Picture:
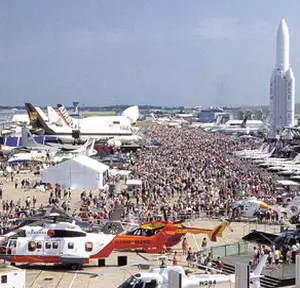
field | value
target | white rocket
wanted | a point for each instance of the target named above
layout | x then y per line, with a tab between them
282	85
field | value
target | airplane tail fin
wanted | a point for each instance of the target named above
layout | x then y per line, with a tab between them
27	138
218	231
43	115
153	118
219	119
36	120
243	124
65	116
53	116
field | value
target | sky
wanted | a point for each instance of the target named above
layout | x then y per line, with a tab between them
158	52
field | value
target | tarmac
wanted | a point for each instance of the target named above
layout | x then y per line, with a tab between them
49	275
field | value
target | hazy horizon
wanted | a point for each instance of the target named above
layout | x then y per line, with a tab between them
167	52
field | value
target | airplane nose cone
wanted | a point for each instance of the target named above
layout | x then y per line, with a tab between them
263	205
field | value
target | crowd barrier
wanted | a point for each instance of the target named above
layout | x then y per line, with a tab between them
238	248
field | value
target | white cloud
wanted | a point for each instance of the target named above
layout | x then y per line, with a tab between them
218	28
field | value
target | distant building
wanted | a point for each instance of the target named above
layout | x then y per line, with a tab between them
211	115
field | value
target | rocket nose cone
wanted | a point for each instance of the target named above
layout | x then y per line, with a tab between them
283	28
282	22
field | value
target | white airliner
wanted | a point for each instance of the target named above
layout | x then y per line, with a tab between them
116	128
262	149
242	126
106	127
170	121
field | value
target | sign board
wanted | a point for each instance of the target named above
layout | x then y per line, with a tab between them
242	275
175	279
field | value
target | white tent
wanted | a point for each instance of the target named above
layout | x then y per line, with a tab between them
136	182
81	172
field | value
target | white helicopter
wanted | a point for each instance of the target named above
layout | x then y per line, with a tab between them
58	242
249	207
159	277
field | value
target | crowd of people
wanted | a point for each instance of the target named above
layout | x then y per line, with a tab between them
198	170
186	171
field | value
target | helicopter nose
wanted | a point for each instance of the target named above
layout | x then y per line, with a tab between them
263	205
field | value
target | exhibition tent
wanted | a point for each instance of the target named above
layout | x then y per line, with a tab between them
81	172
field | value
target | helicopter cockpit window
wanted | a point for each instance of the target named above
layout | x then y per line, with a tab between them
132	282
18	233
151	284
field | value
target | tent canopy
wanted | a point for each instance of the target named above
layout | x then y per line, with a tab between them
114	172
91	163
81	172
133	182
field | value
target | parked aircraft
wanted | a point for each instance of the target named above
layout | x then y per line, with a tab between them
292	208
55	214
259	157
249	207
262	149
170	121
159	277
180	229
287	238
67	243
39	156
91	128
278	161
30	143
213	126
7	150
141	238
241	126
39	152
132	113
114	122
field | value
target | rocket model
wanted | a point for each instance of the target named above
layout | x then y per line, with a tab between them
282	85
